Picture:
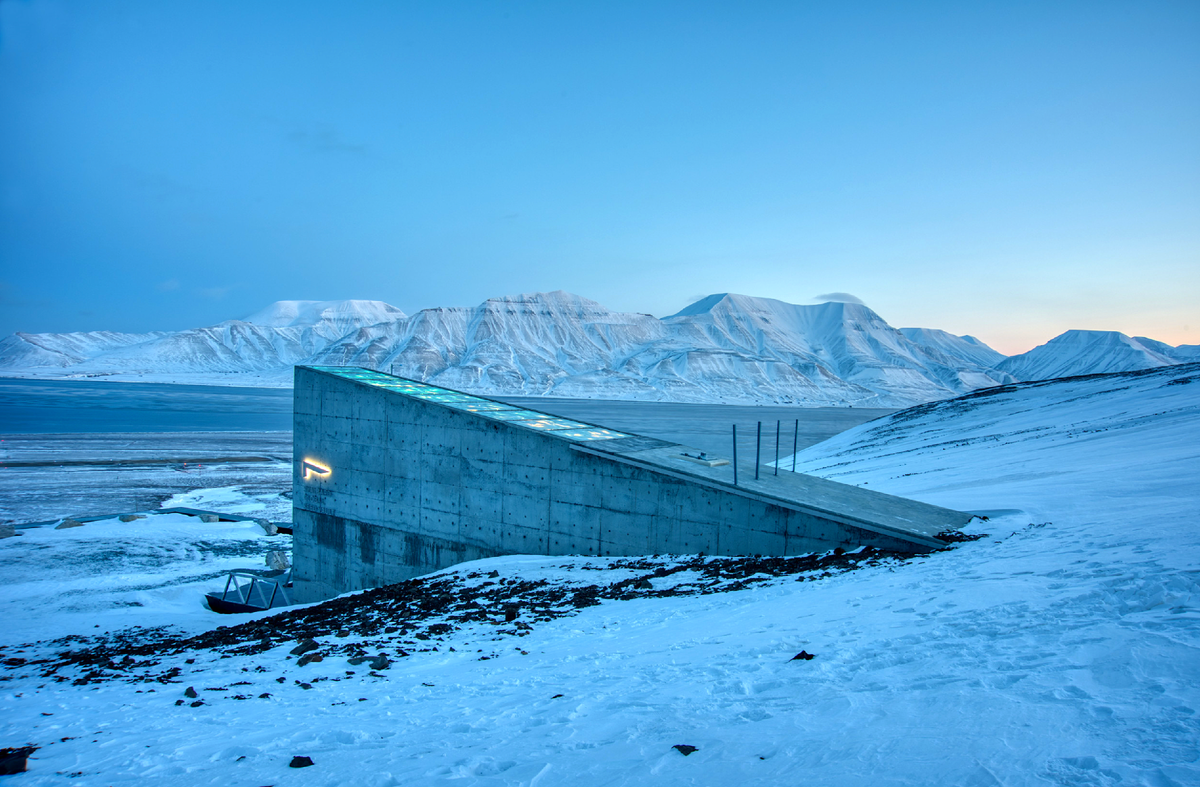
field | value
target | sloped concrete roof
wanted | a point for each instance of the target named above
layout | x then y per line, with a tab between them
898	517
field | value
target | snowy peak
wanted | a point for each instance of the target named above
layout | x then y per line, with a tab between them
767	314
534	343
701	306
280	314
837	340
1080	352
724	306
289	314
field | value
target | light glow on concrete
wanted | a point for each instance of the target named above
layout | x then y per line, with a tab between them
311	467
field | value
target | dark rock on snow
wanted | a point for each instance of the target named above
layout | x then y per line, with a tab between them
14	760
424	610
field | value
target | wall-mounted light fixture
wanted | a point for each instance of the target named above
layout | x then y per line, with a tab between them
310	468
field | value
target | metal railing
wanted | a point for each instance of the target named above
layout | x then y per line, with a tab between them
758	448
245	593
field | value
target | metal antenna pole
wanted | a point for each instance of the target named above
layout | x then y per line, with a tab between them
777	423
757	449
735	454
795	440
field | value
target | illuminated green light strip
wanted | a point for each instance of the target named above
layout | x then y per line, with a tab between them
553	424
514	415
596	433
484	408
480	406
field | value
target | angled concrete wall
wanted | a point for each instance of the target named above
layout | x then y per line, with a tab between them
389	486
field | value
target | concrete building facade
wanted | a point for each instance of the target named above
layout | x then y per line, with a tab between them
395	478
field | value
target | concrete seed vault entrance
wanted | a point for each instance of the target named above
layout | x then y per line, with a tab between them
395	478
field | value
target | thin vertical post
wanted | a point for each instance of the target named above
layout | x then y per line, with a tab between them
735	454
795	442
757	449
777	423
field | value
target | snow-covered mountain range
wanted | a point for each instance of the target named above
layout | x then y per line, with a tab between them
723	348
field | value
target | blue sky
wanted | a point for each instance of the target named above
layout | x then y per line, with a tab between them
1009	170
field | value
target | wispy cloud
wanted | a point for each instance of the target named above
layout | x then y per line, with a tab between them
838	297
215	293
170	285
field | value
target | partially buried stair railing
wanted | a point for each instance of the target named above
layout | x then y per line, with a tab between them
248	592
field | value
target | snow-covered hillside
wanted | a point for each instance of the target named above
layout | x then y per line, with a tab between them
260	349
1112	439
723	348
61	350
1184	353
1086	352
957	346
333	319
1064	649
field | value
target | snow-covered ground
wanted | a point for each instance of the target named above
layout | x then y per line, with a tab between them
111	575
1062	649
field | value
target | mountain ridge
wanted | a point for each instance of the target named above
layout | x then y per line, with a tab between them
724	347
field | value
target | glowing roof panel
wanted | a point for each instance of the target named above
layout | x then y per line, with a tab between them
485	408
590	433
515	414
